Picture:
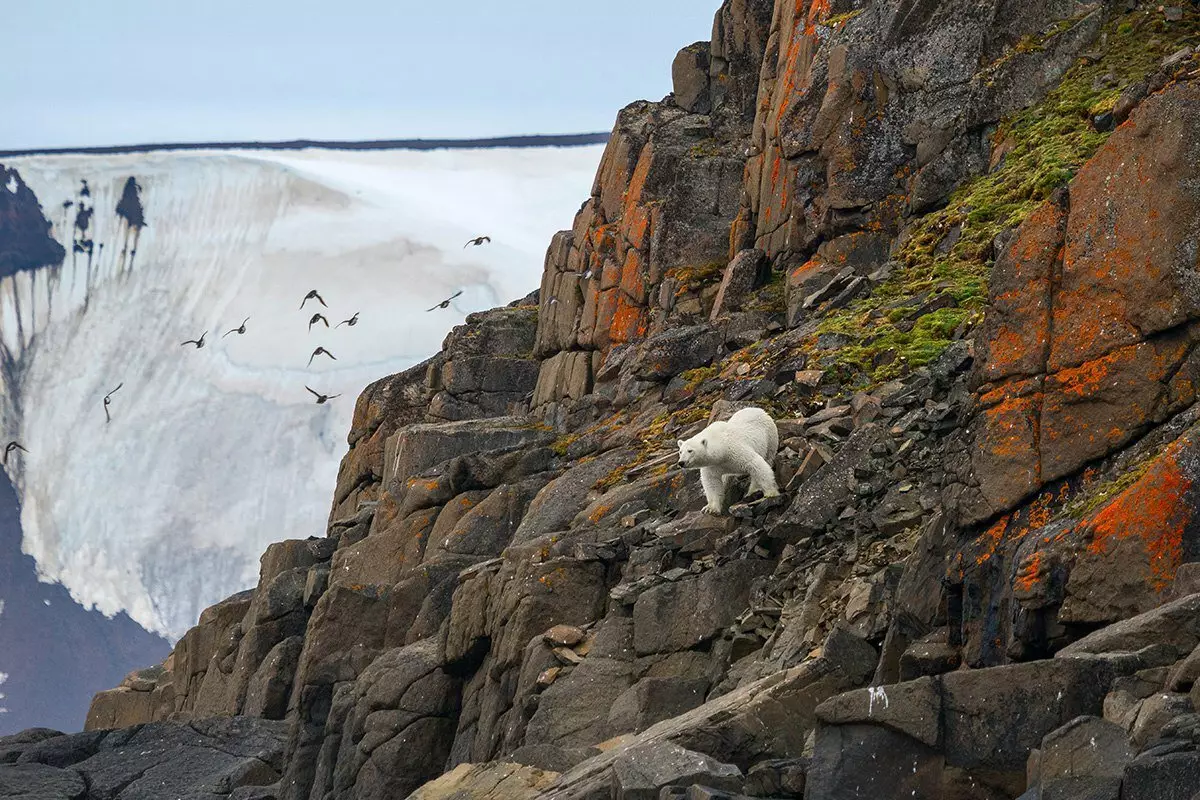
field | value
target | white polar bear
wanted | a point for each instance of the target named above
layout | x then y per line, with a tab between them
744	445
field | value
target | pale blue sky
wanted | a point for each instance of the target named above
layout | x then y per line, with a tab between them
95	72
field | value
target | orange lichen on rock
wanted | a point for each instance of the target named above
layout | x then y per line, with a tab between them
1154	512
633	283
1029	575
990	540
628	321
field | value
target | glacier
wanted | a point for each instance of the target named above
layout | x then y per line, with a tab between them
213	453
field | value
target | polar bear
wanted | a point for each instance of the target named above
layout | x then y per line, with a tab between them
744	445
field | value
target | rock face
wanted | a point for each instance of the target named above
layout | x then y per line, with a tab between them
952	251
210	758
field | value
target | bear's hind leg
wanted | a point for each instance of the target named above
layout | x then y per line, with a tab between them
762	476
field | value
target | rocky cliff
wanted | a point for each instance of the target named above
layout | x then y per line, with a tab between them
952	248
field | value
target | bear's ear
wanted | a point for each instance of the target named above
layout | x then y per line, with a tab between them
680	442
704	442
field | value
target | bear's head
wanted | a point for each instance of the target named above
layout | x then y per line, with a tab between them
693	451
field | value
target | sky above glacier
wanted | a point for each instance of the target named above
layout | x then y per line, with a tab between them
144	71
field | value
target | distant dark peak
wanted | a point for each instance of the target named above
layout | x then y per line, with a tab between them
552	140
130	206
83	218
25	240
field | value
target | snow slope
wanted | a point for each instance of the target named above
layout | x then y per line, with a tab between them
213	453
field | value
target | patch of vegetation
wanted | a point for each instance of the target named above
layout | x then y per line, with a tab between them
1097	498
563	443
1046	145
771	296
694	277
665	427
694	377
841	19
709	148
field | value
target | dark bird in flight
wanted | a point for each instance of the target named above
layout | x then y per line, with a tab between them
351	322
16	446
318	317
67	204
446	303
321	398
311	295
320	351
198	342
108	399
478	240
239	329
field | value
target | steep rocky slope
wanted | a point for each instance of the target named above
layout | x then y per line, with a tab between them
953	249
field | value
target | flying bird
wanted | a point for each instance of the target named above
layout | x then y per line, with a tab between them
321	398
446	303
239	329
311	295
478	240
351	322
108	399
198	342
16	446
318	317
320	351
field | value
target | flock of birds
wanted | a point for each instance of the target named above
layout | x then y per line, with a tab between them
313	294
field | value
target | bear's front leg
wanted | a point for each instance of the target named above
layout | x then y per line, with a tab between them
714	490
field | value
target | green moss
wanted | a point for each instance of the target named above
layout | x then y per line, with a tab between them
1101	495
562	443
709	148
1045	146
657	436
841	19
694	377
694	277
771	297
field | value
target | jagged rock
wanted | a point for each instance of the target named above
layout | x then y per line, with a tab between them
498	781
711	599
574	710
551	758
669	353
403	697
928	658
868	761
689	75
1104	372
1155	712
777	778
983	722
1084	758
1173	776
12	746
267	693
652	700
641	772
566	375
1122	703
416	448
1185	673
1175	625
204	758
823	496
41	782
743	274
